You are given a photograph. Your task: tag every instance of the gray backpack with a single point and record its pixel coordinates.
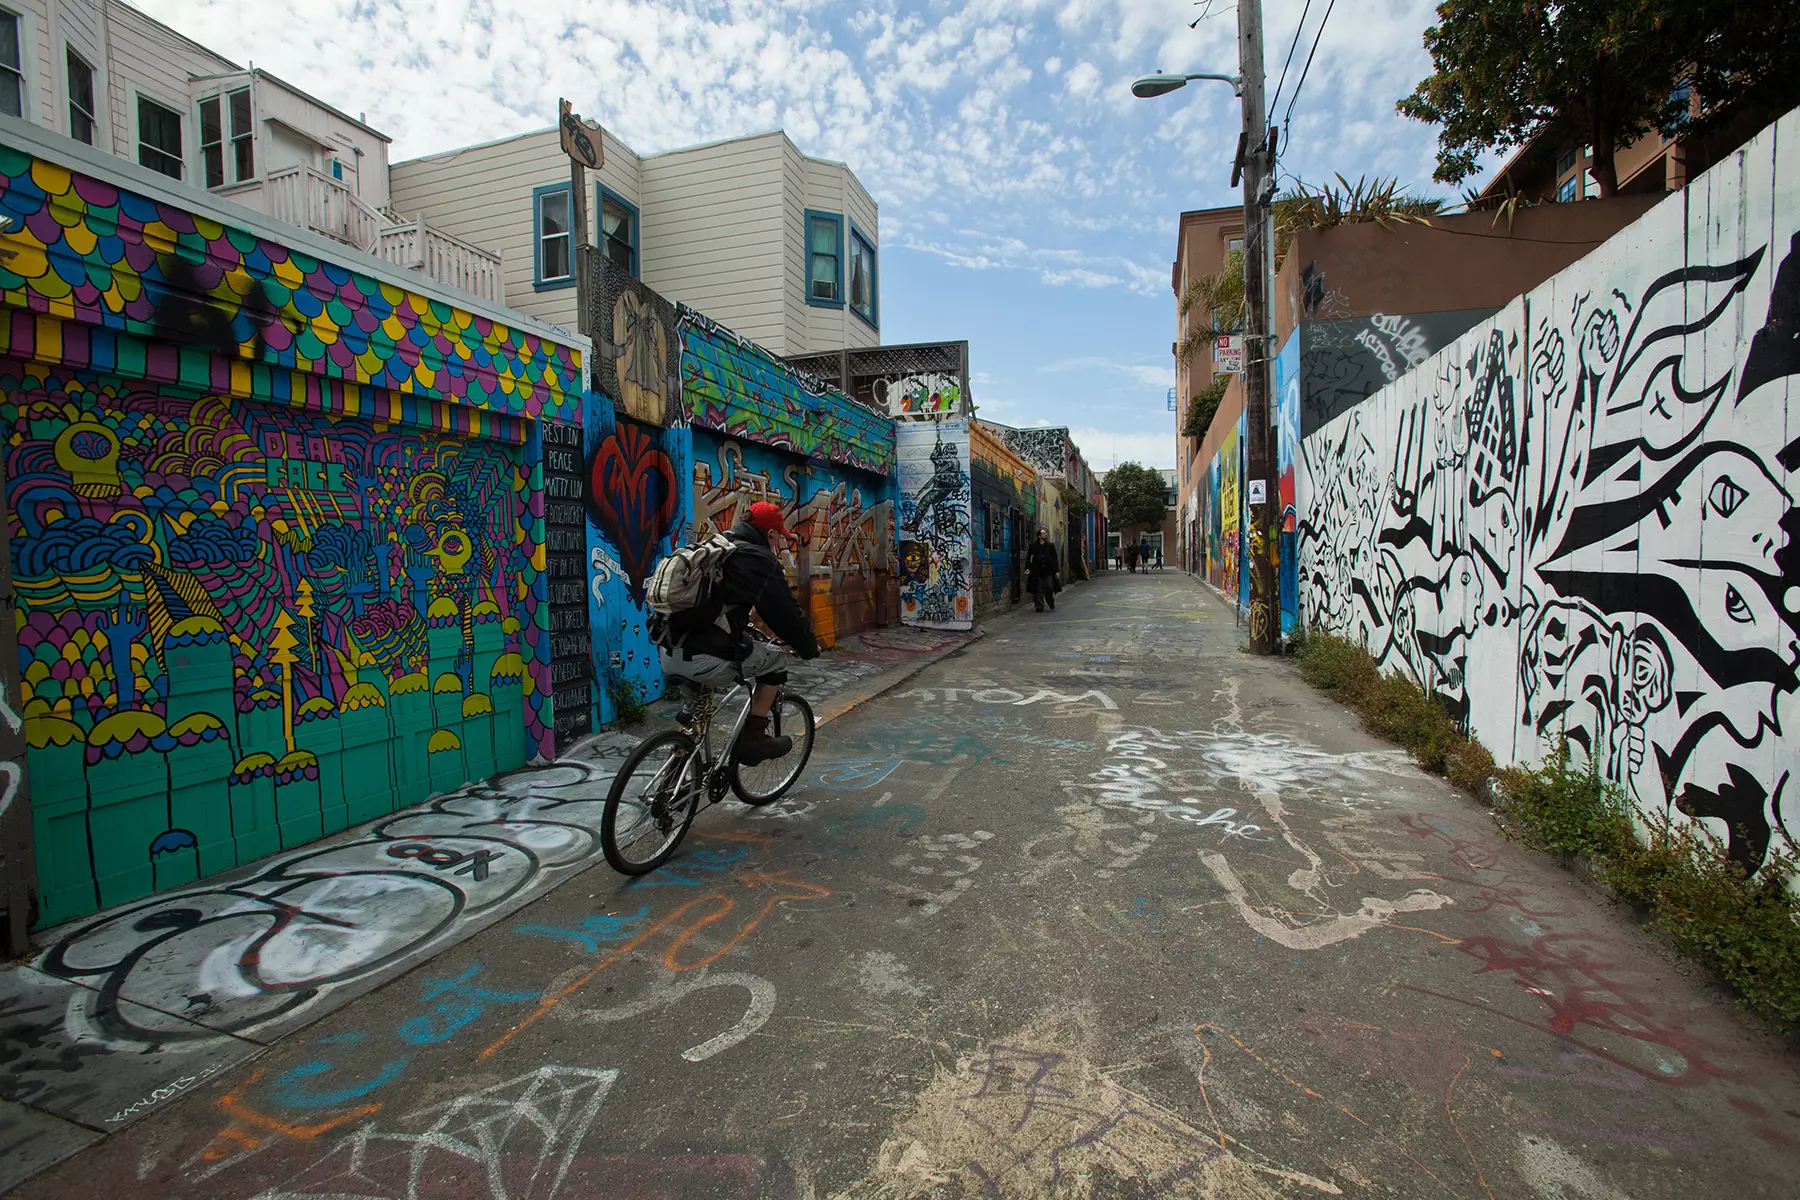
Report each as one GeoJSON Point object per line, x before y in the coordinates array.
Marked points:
{"type": "Point", "coordinates": [685, 580]}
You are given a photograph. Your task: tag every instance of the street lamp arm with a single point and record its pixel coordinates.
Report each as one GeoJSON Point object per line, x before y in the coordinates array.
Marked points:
{"type": "Point", "coordinates": [1162, 83]}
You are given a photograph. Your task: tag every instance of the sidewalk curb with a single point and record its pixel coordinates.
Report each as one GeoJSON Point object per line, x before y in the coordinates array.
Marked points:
{"type": "Point", "coordinates": [887, 681]}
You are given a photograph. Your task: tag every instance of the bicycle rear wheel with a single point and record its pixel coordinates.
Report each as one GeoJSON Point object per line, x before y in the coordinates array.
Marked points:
{"type": "Point", "coordinates": [765, 782]}
{"type": "Point", "coordinates": [652, 802]}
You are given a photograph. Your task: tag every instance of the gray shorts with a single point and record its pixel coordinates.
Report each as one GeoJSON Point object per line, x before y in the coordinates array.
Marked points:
{"type": "Point", "coordinates": [762, 659]}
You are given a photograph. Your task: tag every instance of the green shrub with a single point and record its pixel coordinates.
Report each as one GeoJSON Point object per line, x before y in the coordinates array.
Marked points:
{"type": "Point", "coordinates": [1565, 809]}
{"type": "Point", "coordinates": [1392, 706]}
{"type": "Point", "coordinates": [1747, 928]}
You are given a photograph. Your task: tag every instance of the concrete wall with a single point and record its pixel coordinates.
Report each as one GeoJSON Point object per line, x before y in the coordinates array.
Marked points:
{"type": "Point", "coordinates": [1576, 519]}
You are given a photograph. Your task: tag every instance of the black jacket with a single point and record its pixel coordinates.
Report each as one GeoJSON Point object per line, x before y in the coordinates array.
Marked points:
{"type": "Point", "coordinates": [752, 578]}
{"type": "Point", "coordinates": [1041, 559]}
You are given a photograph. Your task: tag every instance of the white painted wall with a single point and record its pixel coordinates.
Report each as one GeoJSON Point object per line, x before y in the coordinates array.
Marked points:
{"type": "Point", "coordinates": [721, 226]}
{"type": "Point", "coordinates": [1580, 517]}
{"type": "Point", "coordinates": [714, 227]}
{"type": "Point", "coordinates": [483, 194]}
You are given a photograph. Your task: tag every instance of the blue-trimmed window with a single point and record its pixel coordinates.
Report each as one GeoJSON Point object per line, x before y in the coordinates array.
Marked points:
{"type": "Point", "coordinates": [824, 259]}
{"type": "Point", "coordinates": [865, 279]}
{"type": "Point", "coordinates": [618, 230]}
{"type": "Point", "coordinates": [552, 238]}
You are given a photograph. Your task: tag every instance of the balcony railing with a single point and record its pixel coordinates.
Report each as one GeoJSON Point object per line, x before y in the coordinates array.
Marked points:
{"type": "Point", "coordinates": [417, 246]}
{"type": "Point", "coordinates": [314, 200]}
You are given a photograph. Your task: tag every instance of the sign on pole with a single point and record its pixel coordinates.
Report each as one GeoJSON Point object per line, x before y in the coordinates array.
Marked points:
{"type": "Point", "coordinates": [1171, 399]}
{"type": "Point", "coordinates": [580, 139]}
{"type": "Point", "coordinates": [1228, 354]}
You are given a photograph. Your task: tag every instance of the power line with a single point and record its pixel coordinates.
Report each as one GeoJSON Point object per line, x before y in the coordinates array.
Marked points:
{"type": "Point", "coordinates": [1320, 32]}
{"type": "Point", "coordinates": [1292, 46]}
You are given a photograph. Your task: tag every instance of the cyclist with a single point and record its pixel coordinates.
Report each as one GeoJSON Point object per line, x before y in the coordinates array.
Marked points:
{"type": "Point", "coordinates": [710, 643]}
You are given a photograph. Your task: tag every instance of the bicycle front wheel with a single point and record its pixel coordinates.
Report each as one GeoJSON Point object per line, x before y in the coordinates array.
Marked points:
{"type": "Point", "coordinates": [652, 802]}
{"type": "Point", "coordinates": [765, 782]}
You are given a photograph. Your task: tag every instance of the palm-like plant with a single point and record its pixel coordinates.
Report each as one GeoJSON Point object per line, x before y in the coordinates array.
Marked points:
{"type": "Point", "coordinates": [1213, 304]}
{"type": "Point", "coordinates": [1219, 299]}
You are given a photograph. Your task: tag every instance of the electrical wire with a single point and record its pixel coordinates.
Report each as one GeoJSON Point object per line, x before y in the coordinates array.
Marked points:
{"type": "Point", "coordinates": [1295, 98]}
{"type": "Point", "coordinates": [1275, 101]}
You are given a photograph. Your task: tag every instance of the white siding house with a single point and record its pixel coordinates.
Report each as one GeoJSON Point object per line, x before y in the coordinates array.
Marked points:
{"type": "Point", "coordinates": [723, 227]}
{"type": "Point", "coordinates": [103, 73]}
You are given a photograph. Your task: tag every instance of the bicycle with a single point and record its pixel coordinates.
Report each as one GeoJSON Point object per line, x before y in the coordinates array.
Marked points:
{"type": "Point", "coordinates": [658, 792]}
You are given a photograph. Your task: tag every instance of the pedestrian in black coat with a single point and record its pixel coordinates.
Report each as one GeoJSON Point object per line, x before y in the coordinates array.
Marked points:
{"type": "Point", "coordinates": [1042, 571]}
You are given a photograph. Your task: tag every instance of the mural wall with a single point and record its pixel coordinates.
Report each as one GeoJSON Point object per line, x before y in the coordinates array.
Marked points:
{"type": "Point", "coordinates": [242, 626]}
{"type": "Point", "coordinates": [1287, 452]}
{"type": "Point", "coordinates": [733, 386]}
{"type": "Point", "coordinates": [1591, 496]}
{"type": "Point", "coordinates": [936, 584]}
{"type": "Point", "coordinates": [1231, 510]}
{"type": "Point", "coordinates": [1343, 362]}
{"type": "Point", "coordinates": [1004, 495]}
{"type": "Point", "coordinates": [843, 520]}
{"type": "Point", "coordinates": [277, 526]}
{"type": "Point", "coordinates": [637, 511]}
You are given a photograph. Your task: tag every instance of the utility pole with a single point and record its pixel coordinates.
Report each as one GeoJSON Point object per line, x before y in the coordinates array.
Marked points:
{"type": "Point", "coordinates": [1259, 349]}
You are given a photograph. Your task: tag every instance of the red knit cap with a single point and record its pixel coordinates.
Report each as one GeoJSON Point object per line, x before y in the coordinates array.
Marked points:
{"type": "Point", "coordinates": [767, 517]}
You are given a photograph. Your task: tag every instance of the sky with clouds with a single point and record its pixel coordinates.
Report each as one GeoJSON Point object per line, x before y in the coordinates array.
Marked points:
{"type": "Point", "coordinates": [1028, 201]}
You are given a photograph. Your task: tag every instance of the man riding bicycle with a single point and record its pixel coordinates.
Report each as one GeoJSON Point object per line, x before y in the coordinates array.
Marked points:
{"type": "Point", "coordinates": [705, 652]}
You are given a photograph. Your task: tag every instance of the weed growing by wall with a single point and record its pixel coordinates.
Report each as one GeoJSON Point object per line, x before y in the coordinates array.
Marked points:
{"type": "Point", "coordinates": [1745, 927]}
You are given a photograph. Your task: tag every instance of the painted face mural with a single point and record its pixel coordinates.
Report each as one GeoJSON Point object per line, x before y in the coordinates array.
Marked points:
{"type": "Point", "coordinates": [934, 514]}
{"type": "Point", "coordinates": [242, 626]}
{"type": "Point", "coordinates": [1596, 484]}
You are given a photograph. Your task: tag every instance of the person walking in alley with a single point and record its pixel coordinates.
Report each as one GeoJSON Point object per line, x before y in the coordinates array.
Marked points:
{"type": "Point", "coordinates": [1144, 552]}
{"type": "Point", "coordinates": [1131, 557]}
{"type": "Point", "coordinates": [1041, 571]}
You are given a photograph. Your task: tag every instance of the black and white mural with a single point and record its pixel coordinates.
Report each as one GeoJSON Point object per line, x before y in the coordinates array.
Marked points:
{"type": "Point", "coordinates": [1579, 517]}
{"type": "Point", "coordinates": [1343, 362]}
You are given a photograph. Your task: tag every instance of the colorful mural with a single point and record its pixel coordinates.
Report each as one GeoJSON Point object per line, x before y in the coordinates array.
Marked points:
{"type": "Point", "coordinates": [1578, 520]}
{"type": "Point", "coordinates": [733, 386]}
{"type": "Point", "coordinates": [100, 276]}
{"type": "Point", "coordinates": [638, 511]}
{"type": "Point", "coordinates": [1004, 493]}
{"type": "Point", "coordinates": [243, 626]}
{"type": "Point", "coordinates": [1287, 450]}
{"type": "Point", "coordinates": [936, 588]}
{"type": "Point", "coordinates": [1231, 510]}
{"type": "Point", "coordinates": [842, 519]}
{"type": "Point", "coordinates": [637, 357]}
{"type": "Point", "coordinates": [920, 396]}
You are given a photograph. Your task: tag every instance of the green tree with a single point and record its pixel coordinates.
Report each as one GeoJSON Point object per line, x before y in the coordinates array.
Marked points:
{"type": "Point", "coordinates": [1603, 72]}
{"type": "Point", "coordinates": [1135, 495]}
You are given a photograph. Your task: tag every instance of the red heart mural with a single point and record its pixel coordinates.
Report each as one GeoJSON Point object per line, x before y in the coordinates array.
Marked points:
{"type": "Point", "coordinates": [632, 498]}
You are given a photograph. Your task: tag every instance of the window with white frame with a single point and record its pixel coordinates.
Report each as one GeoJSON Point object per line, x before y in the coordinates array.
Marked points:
{"type": "Point", "coordinates": [159, 137]}
{"type": "Point", "coordinates": [555, 240]}
{"type": "Point", "coordinates": [227, 137]}
{"type": "Point", "coordinates": [81, 97]}
{"type": "Point", "coordinates": [825, 259]}
{"type": "Point", "coordinates": [862, 276]}
{"type": "Point", "coordinates": [12, 71]}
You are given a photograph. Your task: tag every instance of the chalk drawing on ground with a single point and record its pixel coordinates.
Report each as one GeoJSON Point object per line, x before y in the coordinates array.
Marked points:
{"type": "Point", "coordinates": [513, 1141]}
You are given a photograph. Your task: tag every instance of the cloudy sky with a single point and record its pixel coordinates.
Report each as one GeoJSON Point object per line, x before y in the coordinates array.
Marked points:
{"type": "Point", "coordinates": [1028, 201]}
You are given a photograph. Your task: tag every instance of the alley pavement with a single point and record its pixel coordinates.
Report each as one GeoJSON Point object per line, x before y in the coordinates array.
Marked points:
{"type": "Point", "coordinates": [1100, 906]}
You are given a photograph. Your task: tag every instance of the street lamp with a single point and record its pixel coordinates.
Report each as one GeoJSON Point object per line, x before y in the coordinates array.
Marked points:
{"type": "Point", "coordinates": [1162, 83]}
{"type": "Point", "coordinates": [1256, 160]}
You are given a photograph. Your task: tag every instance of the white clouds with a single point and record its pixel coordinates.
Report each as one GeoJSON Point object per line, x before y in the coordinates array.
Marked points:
{"type": "Point", "coordinates": [1147, 375]}
{"type": "Point", "coordinates": [1052, 65]}
{"type": "Point", "coordinates": [1082, 81]}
